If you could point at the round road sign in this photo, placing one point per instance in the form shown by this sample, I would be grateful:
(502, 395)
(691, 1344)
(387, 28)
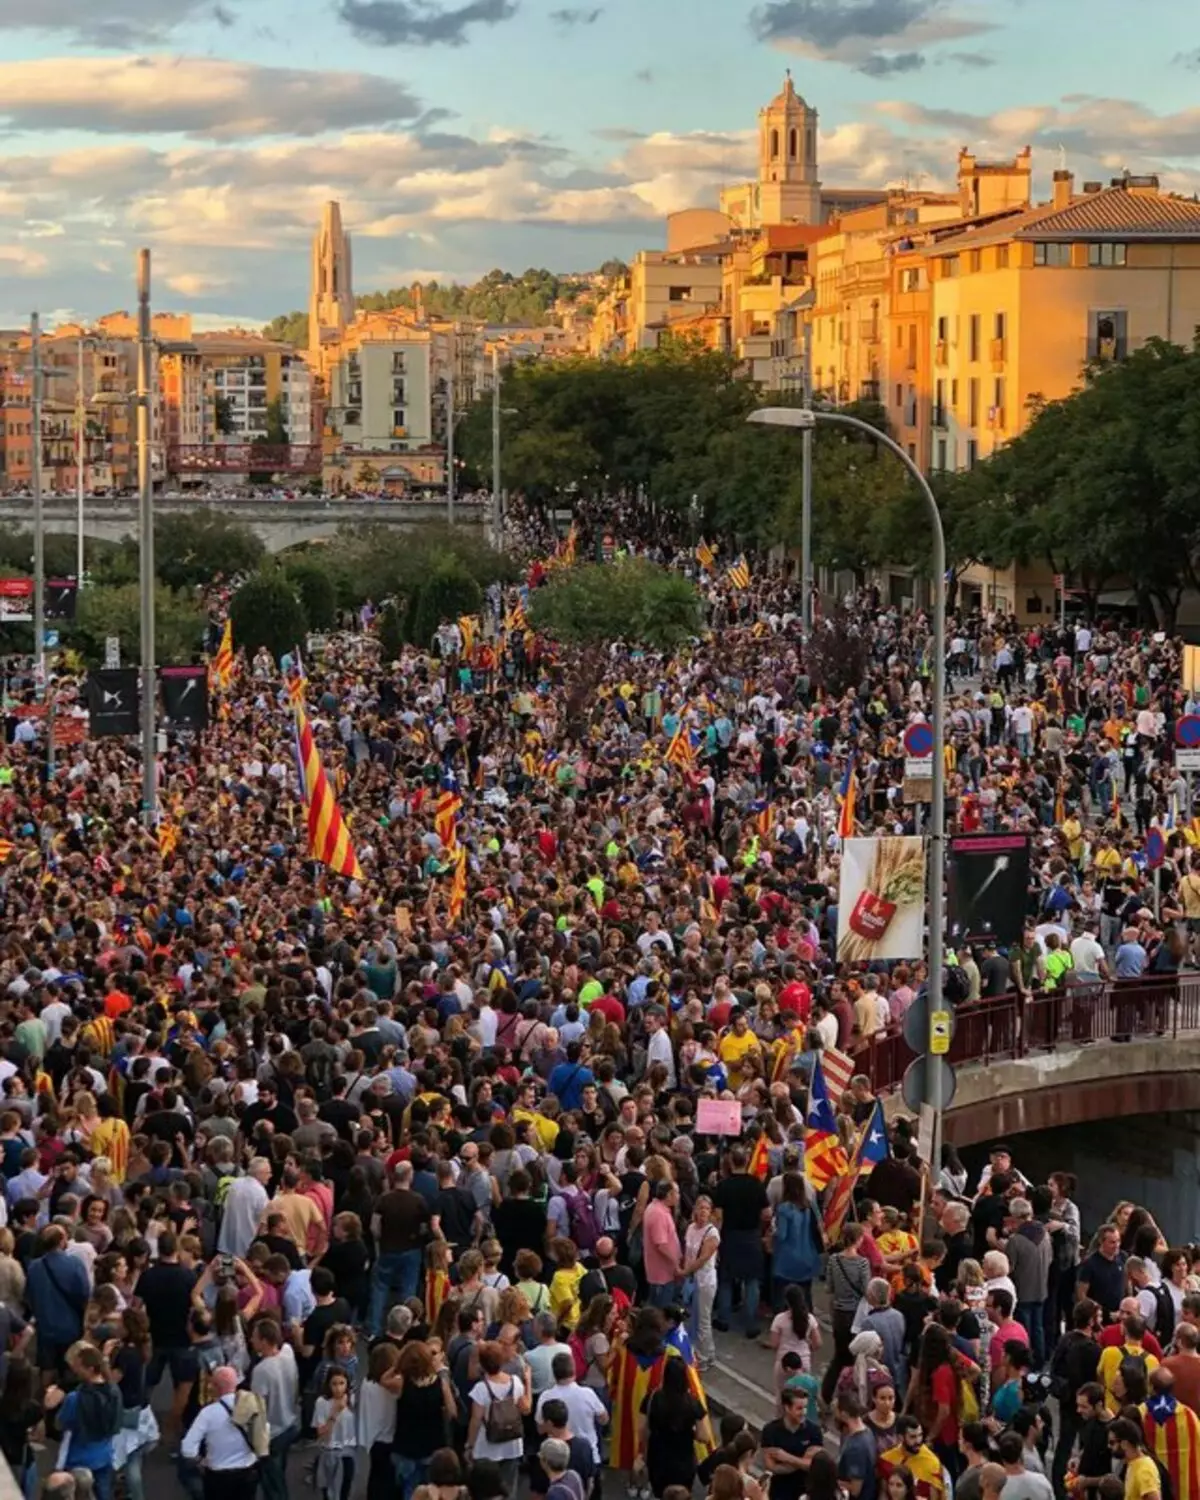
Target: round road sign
(1187, 732)
(918, 740)
(915, 1085)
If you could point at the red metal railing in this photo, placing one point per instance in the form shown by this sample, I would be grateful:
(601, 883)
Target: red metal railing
(240, 458)
(997, 1030)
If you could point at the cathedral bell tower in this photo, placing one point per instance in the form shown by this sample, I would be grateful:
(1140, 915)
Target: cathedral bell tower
(789, 189)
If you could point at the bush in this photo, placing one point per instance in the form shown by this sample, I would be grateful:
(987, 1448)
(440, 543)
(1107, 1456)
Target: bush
(314, 584)
(446, 591)
(178, 624)
(194, 548)
(391, 633)
(635, 601)
(266, 611)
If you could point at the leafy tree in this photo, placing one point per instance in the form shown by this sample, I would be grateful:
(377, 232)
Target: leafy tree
(178, 623)
(314, 584)
(633, 600)
(223, 415)
(266, 611)
(196, 547)
(277, 428)
(614, 268)
(289, 328)
(367, 477)
(391, 633)
(444, 593)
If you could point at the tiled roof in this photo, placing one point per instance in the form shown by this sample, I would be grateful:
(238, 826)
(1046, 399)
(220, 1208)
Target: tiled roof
(1118, 210)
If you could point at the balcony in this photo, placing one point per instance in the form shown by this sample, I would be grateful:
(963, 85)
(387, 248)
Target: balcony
(941, 352)
(998, 353)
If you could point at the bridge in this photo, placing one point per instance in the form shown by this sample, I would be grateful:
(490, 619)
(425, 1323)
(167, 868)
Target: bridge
(278, 523)
(1088, 1053)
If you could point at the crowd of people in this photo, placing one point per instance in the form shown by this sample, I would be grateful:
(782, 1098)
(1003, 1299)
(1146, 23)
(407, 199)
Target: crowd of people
(397, 1181)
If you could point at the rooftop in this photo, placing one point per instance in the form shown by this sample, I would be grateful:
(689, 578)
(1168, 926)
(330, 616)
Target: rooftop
(1129, 208)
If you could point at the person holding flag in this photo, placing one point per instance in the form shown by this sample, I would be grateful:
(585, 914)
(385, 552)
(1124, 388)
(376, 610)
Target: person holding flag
(824, 1155)
(847, 799)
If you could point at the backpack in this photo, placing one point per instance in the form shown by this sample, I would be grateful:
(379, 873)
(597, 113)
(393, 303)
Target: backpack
(579, 1354)
(581, 1217)
(503, 1422)
(249, 1416)
(1164, 1317)
(99, 1410)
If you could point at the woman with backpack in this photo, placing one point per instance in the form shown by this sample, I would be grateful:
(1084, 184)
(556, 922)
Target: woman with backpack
(499, 1404)
(90, 1417)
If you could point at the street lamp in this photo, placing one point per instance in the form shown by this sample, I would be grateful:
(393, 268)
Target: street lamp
(498, 411)
(806, 421)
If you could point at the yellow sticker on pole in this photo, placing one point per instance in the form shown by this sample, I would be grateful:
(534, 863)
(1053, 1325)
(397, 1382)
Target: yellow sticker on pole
(939, 1032)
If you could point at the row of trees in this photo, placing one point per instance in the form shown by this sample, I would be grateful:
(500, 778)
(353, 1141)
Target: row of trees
(1104, 485)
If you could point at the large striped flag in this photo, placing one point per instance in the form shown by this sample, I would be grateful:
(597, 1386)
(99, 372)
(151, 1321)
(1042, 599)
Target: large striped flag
(764, 819)
(516, 619)
(705, 555)
(445, 817)
(221, 667)
(838, 1069)
(847, 796)
(1173, 1438)
(631, 1378)
(458, 886)
(824, 1154)
(570, 546)
(872, 1145)
(168, 838)
(679, 751)
(760, 1165)
(469, 628)
(6, 848)
(841, 1196)
(739, 573)
(328, 837)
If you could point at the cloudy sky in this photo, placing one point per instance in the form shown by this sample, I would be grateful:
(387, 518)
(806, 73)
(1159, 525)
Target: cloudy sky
(464, 134)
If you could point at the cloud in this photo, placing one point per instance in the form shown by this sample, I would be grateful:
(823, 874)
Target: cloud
(120, 24)
(20, 260)
(197, 284)
(575, 17)
(419, 23)
(875, 37)
(971, 59)
(883, 64)
(207, 98)
(644, 75)
(1189, 60)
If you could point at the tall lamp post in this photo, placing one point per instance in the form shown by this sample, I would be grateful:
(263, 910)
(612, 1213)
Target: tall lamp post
(146, 541)
(39, 519)
(806, 421)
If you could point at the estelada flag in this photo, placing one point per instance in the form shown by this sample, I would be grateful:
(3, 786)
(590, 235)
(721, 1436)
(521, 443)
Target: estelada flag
(222, 662)
(680, 752)
(824, 1155)
(848, 796)
(739, 573)
(328, 837)
(631, 1378)
(437, 1288)
(1173, 1437)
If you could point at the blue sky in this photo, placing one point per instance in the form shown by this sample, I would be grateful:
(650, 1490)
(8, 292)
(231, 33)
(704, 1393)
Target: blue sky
(464, 134)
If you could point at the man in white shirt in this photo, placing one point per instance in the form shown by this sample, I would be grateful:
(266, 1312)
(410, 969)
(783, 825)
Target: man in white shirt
(245, 1203)
(230, 1463)
(1088, 956)
(658, 1043)
(277, 1382)
(585, 1410)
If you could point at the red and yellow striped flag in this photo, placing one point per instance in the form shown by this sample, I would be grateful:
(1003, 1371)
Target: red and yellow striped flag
(328, 837)
(458, 886)
(168, 838)
(631, 1378)
(437, 1288)
(760, 1165)
(445, 818)
(221, 667)
(680, 752)
(6, 848)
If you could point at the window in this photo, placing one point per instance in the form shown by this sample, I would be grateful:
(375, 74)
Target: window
(1054, 253)
(899, 335)
(679, 294)
(954, 395)
(398, 417)
(899, 395)
(397, 364)
(1000, 326)
(941, 451)
(912, 451)
(975, 331)
(973, 403)
(950, 266)
(972, 453)
(793, 143)
(774, 145)
(1106, 255)
(1108, 335)
(1002, 257)
(942, 327)
(974, 260)
(998, 401)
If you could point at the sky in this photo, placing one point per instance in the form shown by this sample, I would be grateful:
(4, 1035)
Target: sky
(460, 135)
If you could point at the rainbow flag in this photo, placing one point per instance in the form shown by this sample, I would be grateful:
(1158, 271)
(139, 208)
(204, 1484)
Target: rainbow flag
(847, 797)
(824, 1155)
(328, 837)
(739, 573)
(1173, 1438)
(221, 667)
(445, 818)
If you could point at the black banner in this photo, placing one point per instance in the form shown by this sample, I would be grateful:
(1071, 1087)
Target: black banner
(114, 702)
(185, 696)
(61, 596)
(988, 886)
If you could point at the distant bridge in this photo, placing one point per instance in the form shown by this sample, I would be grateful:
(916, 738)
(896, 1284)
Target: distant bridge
(278, 523)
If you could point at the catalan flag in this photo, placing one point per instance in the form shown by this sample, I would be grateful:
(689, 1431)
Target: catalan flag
(516, 618)
(837, 1206)
(570, 546)
(824, 1154)
(550, 764)
(168, 838)
(6, 848)
(705, 555)
(764, 820)
(221, 667)
(469, 629)
(739, 573)
(445, 817)
(328, 837)
(873, 1142)
(631, 1378)
(437, 1289)
(759, 1165)
(296, 684)
(680, 752)
(458, 886)
(847, 797)
(1172, 1433)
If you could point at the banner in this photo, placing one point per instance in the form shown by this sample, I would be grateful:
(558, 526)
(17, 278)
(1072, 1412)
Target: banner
(114, 702)
(61, 596)
(987, 881)
(881, 905)
(16, 600)
(185, 696)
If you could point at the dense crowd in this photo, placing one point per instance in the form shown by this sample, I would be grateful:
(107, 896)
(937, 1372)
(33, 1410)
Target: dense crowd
(409, 1180)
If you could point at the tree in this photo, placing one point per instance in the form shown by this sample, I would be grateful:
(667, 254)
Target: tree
(391, 633)
(266, 611)
(444, 593)
(277, 427)
(178, 623)
(289, 328)
(634, 601)
(200, 545)
(223, 416)
(367, 477)
(313, 583)
(837, 655)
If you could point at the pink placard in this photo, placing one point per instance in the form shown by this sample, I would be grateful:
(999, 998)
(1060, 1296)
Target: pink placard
(719, 1117)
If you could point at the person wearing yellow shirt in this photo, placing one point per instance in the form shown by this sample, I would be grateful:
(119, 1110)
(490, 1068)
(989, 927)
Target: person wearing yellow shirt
(1106, 860)
(1109, 1371)
(737, 1044)
(564, 1284)
(545, 1129)
(1126, 1440)
(1073, 833)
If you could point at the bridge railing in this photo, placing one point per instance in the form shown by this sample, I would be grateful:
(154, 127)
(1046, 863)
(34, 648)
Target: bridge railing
(1077, 1016)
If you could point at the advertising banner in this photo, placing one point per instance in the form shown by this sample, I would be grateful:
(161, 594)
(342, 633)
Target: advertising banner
(881, 905)
(987, 882)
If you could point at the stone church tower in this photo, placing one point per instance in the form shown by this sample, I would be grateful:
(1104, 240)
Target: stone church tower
(331, 306)
(789, 189)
